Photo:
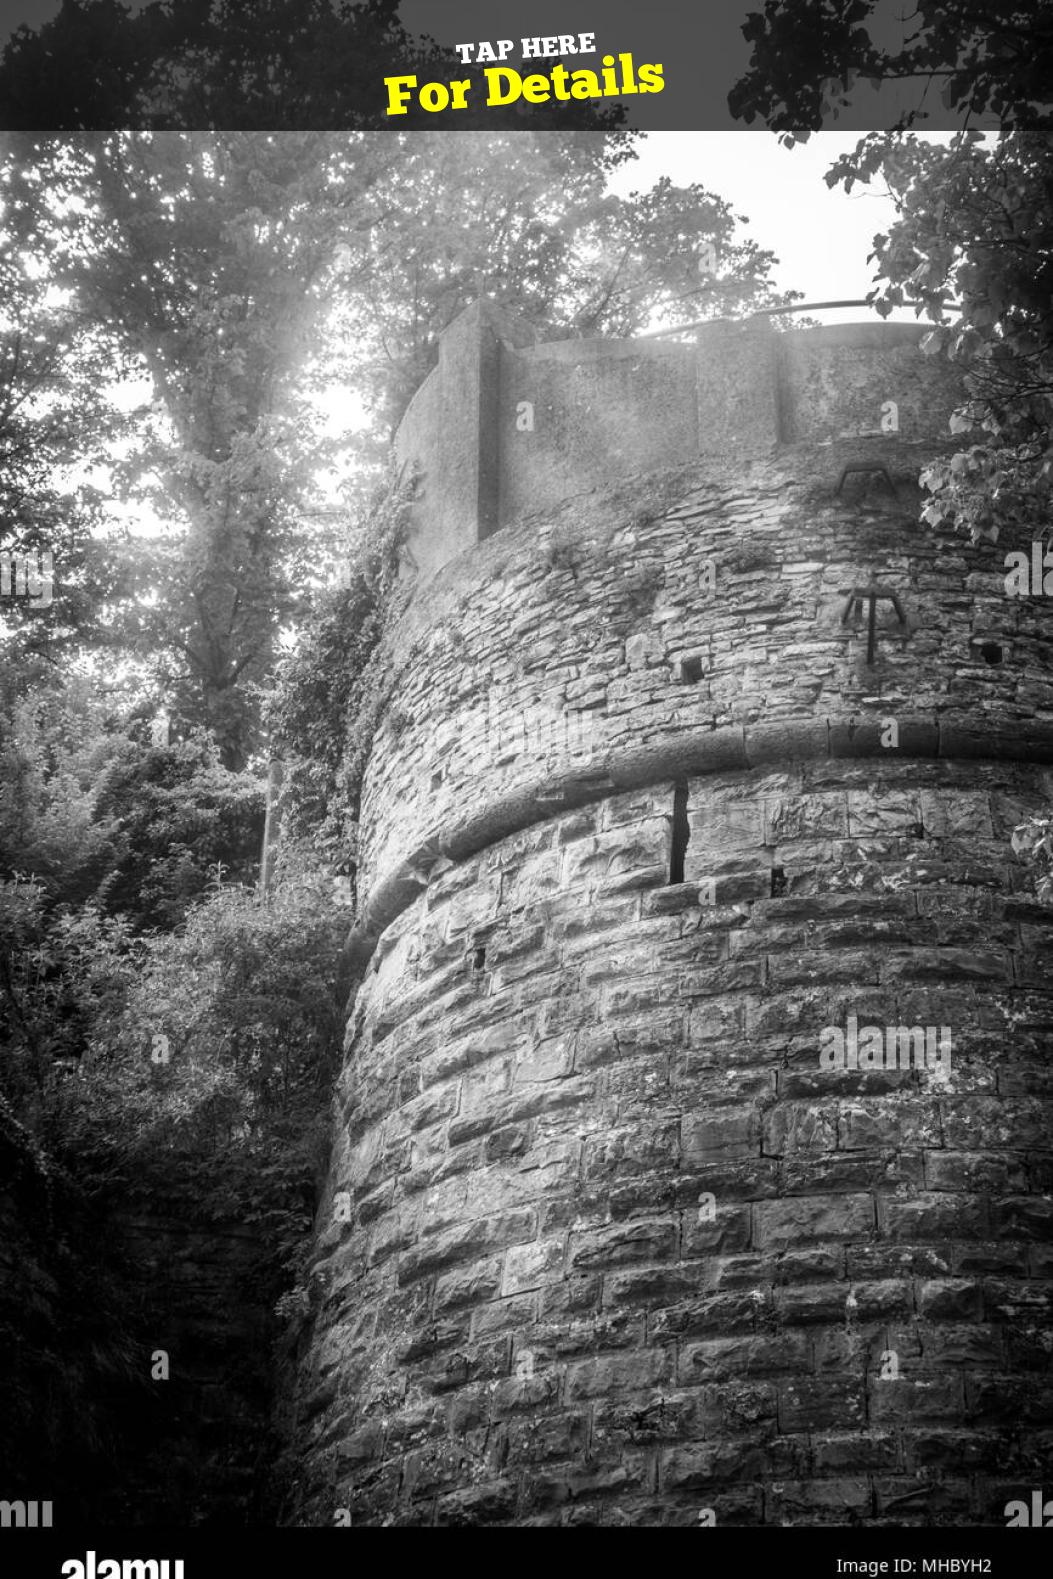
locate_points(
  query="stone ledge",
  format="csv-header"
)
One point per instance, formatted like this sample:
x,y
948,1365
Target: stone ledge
x,y
736,749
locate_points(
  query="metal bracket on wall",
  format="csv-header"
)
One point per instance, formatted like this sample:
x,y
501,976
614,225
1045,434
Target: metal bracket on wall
x,y
875,469
871,595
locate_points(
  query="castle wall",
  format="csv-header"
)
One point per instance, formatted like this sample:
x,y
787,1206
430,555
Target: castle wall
x,y
619,1250
605,1241
599,408
504,427
835,381
555,651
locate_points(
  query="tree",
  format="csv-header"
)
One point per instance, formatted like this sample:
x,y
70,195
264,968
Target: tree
x,y
182,1075
240,270
972,246
186,825
95,812
53,745
978,57
972,250
56,419
200,256
526,219
279,64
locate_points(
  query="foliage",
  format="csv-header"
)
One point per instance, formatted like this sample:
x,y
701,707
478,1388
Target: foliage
x,y
199,259
182,818
59,976
809,56
332,690
244,998
526,220
192,1066
247,275
972,250
972,247
1033,840
53,744
282,64
56,381
100,816
229,1125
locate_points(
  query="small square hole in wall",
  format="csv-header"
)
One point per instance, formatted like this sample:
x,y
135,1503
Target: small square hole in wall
x,y
437,779
691,670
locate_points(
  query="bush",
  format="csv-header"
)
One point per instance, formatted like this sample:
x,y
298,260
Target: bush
x,y
97,816
209,1076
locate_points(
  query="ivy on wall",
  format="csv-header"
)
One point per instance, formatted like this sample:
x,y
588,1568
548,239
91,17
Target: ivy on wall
x,y
332,691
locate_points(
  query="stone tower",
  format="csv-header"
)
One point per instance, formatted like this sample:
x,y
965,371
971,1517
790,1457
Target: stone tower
x,y
692,1157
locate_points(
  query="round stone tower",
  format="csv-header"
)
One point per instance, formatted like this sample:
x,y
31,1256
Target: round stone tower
x,y
692,1156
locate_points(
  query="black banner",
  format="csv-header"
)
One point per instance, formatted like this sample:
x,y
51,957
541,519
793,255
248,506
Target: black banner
x,y
452,65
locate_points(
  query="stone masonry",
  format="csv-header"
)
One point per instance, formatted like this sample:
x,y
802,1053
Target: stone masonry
x,y
604,1242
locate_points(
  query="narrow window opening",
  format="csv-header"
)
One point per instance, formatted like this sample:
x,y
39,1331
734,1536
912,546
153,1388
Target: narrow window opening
x,y
436,779
681,834
991,652
690,670
479,959
778,882
919,830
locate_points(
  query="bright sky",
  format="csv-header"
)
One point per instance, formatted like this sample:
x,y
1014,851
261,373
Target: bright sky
x,y
820,235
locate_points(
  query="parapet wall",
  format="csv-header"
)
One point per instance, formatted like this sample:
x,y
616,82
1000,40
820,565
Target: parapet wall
x,y
504,427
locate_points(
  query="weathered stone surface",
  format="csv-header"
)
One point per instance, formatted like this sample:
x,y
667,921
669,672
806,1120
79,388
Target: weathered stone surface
x,y
627,1241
